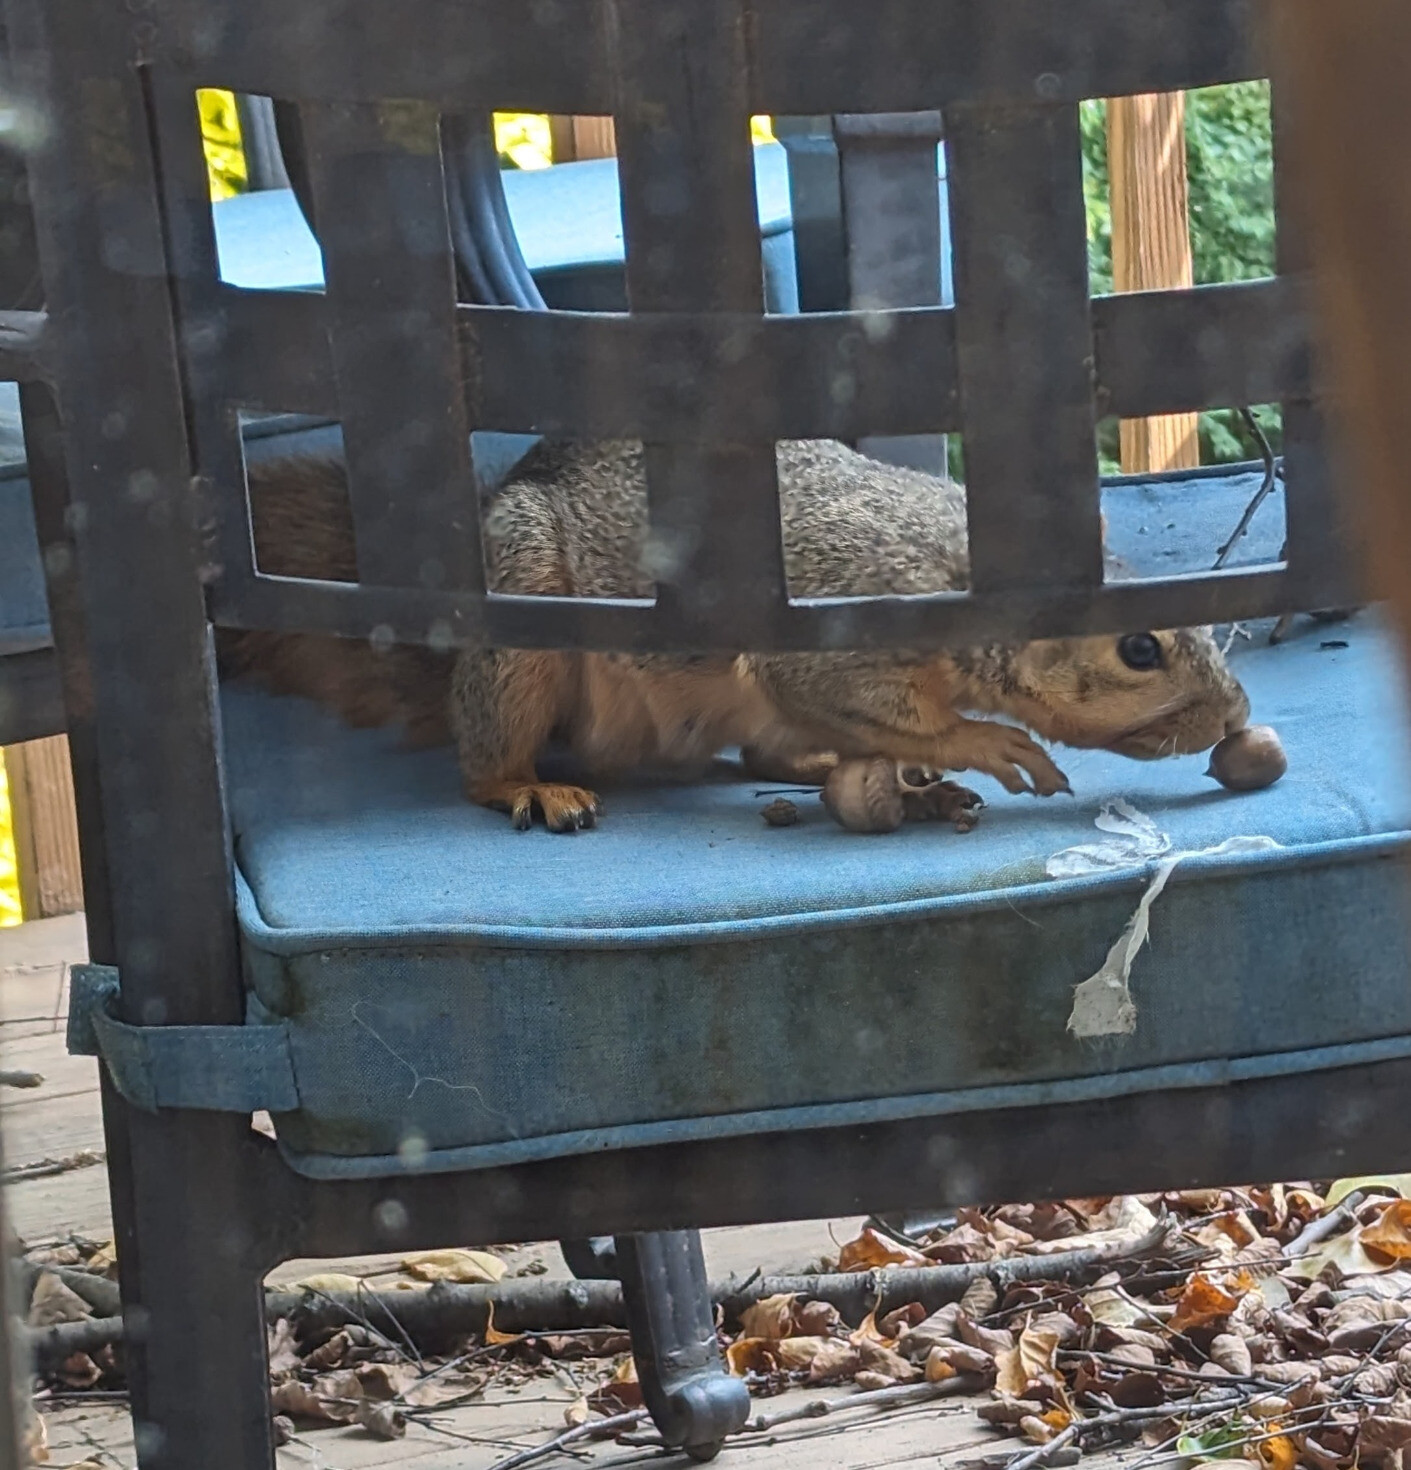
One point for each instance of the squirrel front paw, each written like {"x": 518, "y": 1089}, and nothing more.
{"x": 1007, "y": 754}
{"x": 926, "y": 797}
{"x": 563, "y": 808}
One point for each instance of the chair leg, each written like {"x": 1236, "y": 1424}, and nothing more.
{"x": 192, "y": 1294}
{"x": 693, "y": 1400}
{"x": 591, "y": 1259}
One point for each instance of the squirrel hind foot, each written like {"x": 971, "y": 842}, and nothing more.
{"x": 562, "y": 808}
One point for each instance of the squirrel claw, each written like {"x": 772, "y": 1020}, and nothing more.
{"x": 563, "y": 808}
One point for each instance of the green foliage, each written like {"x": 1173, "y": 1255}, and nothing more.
{"x": 1229, "y": 161}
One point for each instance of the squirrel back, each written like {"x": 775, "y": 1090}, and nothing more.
{"x": 573, "y": 521}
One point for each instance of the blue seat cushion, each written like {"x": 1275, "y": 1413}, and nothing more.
{"x": 459, "y": 994}
{"x": 568, "y": 220}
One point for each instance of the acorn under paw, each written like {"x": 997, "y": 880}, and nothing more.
{"x": 1248, "y": 760}
{"x": 873, "y": 795}
{"x": 865, "y": 795}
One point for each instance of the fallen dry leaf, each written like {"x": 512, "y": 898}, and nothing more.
{"x": 772, "y": 1318}
{"x": 994, "y": 1340}
{"x": 299, "y": 1401}
{"x": 752, "y": 1355}
{"x": 901, "y": 1321}
{"x": 937, "y": 1369}
{"x": 52, "y": 1302}
{"x": 1113, "y": 1307}
{"x": 796, "y": 1354}
{"x": 1317, "y": 1457}
{"x": 1381, "y": 1436}
{"x": 576, "y": 1413}
{"x": 1033, "y": 1428}
{"x": 877, "y": 1358}
{"x": 1377, "y": 1380}
{"x": 78, "y": 1370}
{"x": 493, "y": 1336}
{"x": 1134, "y": 1355}
{"x": 952, "y": 1358}
{"x": 964, "y": 1245}
{"x": 1277, "y": 1453}
{"x": 1205, "y": 1301}
{"x": 1289, "y": 1373}
{"x": 868, "y": 1331}
{"x": 620, "y": 1392}
{"x": 1060, "y": 1324}
{"x": 1341, "y": 1256}
{"x": 817, "y": 1319}
{"x": 871, "y": 1249}
{"x": 868, "y": 1381}
{"x": 329, "y": 1283}
{"x": 1231, "y": 1353}
{"x": 465, "y": 1266}
{"x": 1390, "y": 1234}
{"x": 1004, "y": 1409}
{"x": 939, "y": 1328}
{"x": 1029, "y": 1366}
{"x": 385, "y": 1380}
{"x": 348, "y": 1346}
{"x": 1391, "y": 1183}
{"x": 382, "y": 1421}
{"x": 835, "y": 1361}
{"x": 104, "y": 1261}
{"x": 981, "y": 1297}
{"x": 1388, "y": 1285}
{"x": 283, "y": 1352}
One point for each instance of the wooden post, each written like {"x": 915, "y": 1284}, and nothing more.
{"x": 582, "y": 137}
{"x": 1151, "y": 245}
{"x": 45, "y": 826}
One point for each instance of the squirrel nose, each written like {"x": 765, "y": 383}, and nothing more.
{"x": 1240, "y": 718}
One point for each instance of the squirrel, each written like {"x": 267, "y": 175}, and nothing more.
{"x": 573, "y": 521}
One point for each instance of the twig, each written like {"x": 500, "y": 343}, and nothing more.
{"x": 601, "y": 1429}
{"x": 447, "y": 1310}
{"x": 1325, "y": 1226}
{"x": 401, "y": 1331}
{"x": 881, "y": 1398}
{"x": 1172, "y": 1369}
{"x": 64, "y": 1339}
{"x": 1106, "y": 1420}
{"x": 48, "y": 1168}
{"x": 1040, "y": 1453}
{"x": 1260, "y": 495}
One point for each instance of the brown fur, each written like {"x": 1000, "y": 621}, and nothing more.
{"x": 303, "y": 527}
{"x": 573, "y": 522}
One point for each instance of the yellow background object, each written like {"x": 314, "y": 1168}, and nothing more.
{"x": 9, "y": 866}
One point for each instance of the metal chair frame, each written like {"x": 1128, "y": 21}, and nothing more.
{"x": 134, "y": 380}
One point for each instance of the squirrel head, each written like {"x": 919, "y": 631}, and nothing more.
{"x": 1144, "y": 695}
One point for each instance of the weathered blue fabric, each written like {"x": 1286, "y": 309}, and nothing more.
{"x": 456, "y": 993}
{"x": 224, "y": 1069}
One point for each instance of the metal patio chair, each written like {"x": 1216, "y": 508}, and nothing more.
{"x": 503, "y": 1053}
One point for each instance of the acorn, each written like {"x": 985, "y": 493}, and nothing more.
{"x": 780, "y": 813}
{"x": 865, "y": 795}
{"x": 1248, "y": 760}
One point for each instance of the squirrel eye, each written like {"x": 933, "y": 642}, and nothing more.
{"x": 1139, "y": 651}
